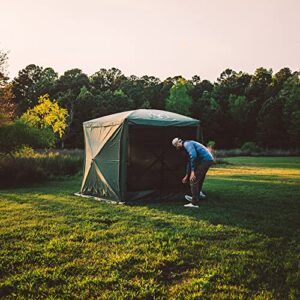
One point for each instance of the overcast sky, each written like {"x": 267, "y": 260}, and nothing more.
{"x": 152, "y": 37}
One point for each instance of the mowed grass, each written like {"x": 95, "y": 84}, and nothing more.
{"x": 243, "y": 244}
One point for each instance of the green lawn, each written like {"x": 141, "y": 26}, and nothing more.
{"x": 243, "y": 244}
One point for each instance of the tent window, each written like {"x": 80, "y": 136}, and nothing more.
{"x": 153, "y": 163}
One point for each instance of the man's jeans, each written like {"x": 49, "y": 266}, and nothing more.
{"x": 200, "y": 173}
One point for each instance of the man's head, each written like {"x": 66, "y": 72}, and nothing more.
{"x": 177, "y": 143}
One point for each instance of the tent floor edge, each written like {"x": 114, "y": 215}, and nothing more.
{"x": 99, "y": 199}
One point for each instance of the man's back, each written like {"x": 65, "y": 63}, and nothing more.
{"x": 196, "y": 150}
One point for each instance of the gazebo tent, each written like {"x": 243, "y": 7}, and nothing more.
{"x": 129, "y": 155}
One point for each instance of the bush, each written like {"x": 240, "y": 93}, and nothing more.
{"x": 56, "y": 164}
{"x": 25, "y": 151}
{"x": 28, "y": 167}
{"x": 263, "y": 152}
{"x": 20, "y": 171}
{"x": 250, "y": 147}
{"x": 211, "y": 144}
{"x": 13, "y": 136}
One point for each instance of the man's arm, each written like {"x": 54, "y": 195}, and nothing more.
{"x": 188, "y": 168}
{"x": 192, "y": 155}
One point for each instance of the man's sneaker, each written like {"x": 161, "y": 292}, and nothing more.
{"x": 202, "y": 195}
{"x": 188, "y": 198}
{"x": 191, "y": 205}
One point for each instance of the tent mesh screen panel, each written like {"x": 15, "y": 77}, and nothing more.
{"x": 152, "y": 162}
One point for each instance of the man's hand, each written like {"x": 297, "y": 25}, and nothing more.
{"x": 193, "y": 176}
{"x": 185, "y": 179}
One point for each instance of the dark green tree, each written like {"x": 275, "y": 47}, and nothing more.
{"x": 237, "y": 112}
{"x": 282, "y": 76}
{"x": 85, "y": 108}
{"x": 290, "y": 94}
{"x": 113, "y": 102}
{"x": 69, "y": 86}
{"x": 179, "y": 100}
{"x": 47, "y": 83}
{"x": 198, "y": 88}
{"x": 24, "y": 87}
{"x": 271, "y": 131}
{"x": 135, "y": 87}
{"x": 104, "y": 80}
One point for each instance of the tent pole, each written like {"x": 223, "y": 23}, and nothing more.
{"x": 199, "y": 134}
{"x": 124, "y": 160}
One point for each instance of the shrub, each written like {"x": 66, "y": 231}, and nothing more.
{"x": 20, "y": 171}
{"x": 211, "y": 148}
{"x": 263, "y": 152}
{"x": 25, "y": 151}
{"x": 55, "y": 164}
{"x": 211, "y": 144}
{"x": 250, "y": 147}
{"x": 13, "y": 136}
{"x": 28, "y": 167}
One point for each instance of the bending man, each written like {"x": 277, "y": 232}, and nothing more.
{"x": 200, "y": 160}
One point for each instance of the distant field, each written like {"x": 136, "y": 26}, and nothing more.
{"x": 243, "y": 244}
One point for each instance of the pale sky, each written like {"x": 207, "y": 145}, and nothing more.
{"x": 152, "y": 37}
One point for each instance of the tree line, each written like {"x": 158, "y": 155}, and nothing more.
{"x": 263, "y": 107}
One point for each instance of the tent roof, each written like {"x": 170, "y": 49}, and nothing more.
{"x": 150, "y": 117}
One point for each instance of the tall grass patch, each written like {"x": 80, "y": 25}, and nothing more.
{"x": 29, "y": 167}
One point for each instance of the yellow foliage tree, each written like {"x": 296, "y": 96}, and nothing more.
{"x": 47, "y": 113}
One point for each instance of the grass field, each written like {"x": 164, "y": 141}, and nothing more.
{"x": 243, "y": 244}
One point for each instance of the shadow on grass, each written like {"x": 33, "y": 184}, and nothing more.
{"x": 269, "y": 208}
{"x": 191, "y": 238}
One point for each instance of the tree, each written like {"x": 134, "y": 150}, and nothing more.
{"x": 179, "y": 100}
{"x": 3, "y": 68}
{"x": 237, "y": 106}
{"x": 104, "y": 80}
{"x": 69, "y": 86}
{"x": 270, "y": 126}
{"x": 85, "y": 108}
{"x": 237, "y": 112}
{"x": 290, "y": 94}
{"x": 197, "y": 89}
{"x": 206, "y": 110}
{"x": 46, "y": 84}
{"x": 135, "y": 87}
{"x": 259, "y": 86}
{"x": 153, "y": 96}
{"x": 47, "y": 114}
{"x": 282, "y": 76}
{"x": 225, "y": 86}
{"x": 7, "y": 105}
{"x": 23, "y": 87}
{"x": 196, "y": 79}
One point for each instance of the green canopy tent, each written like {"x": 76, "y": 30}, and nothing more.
{"x": 129, "y": 155}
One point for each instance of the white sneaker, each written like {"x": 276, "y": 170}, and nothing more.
{"x": 188, "y": 198}
{"x": 191, "y": 205}
{"x": 202, "y": 195}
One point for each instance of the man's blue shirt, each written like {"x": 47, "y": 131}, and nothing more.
{"x": 197, "y": 153}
